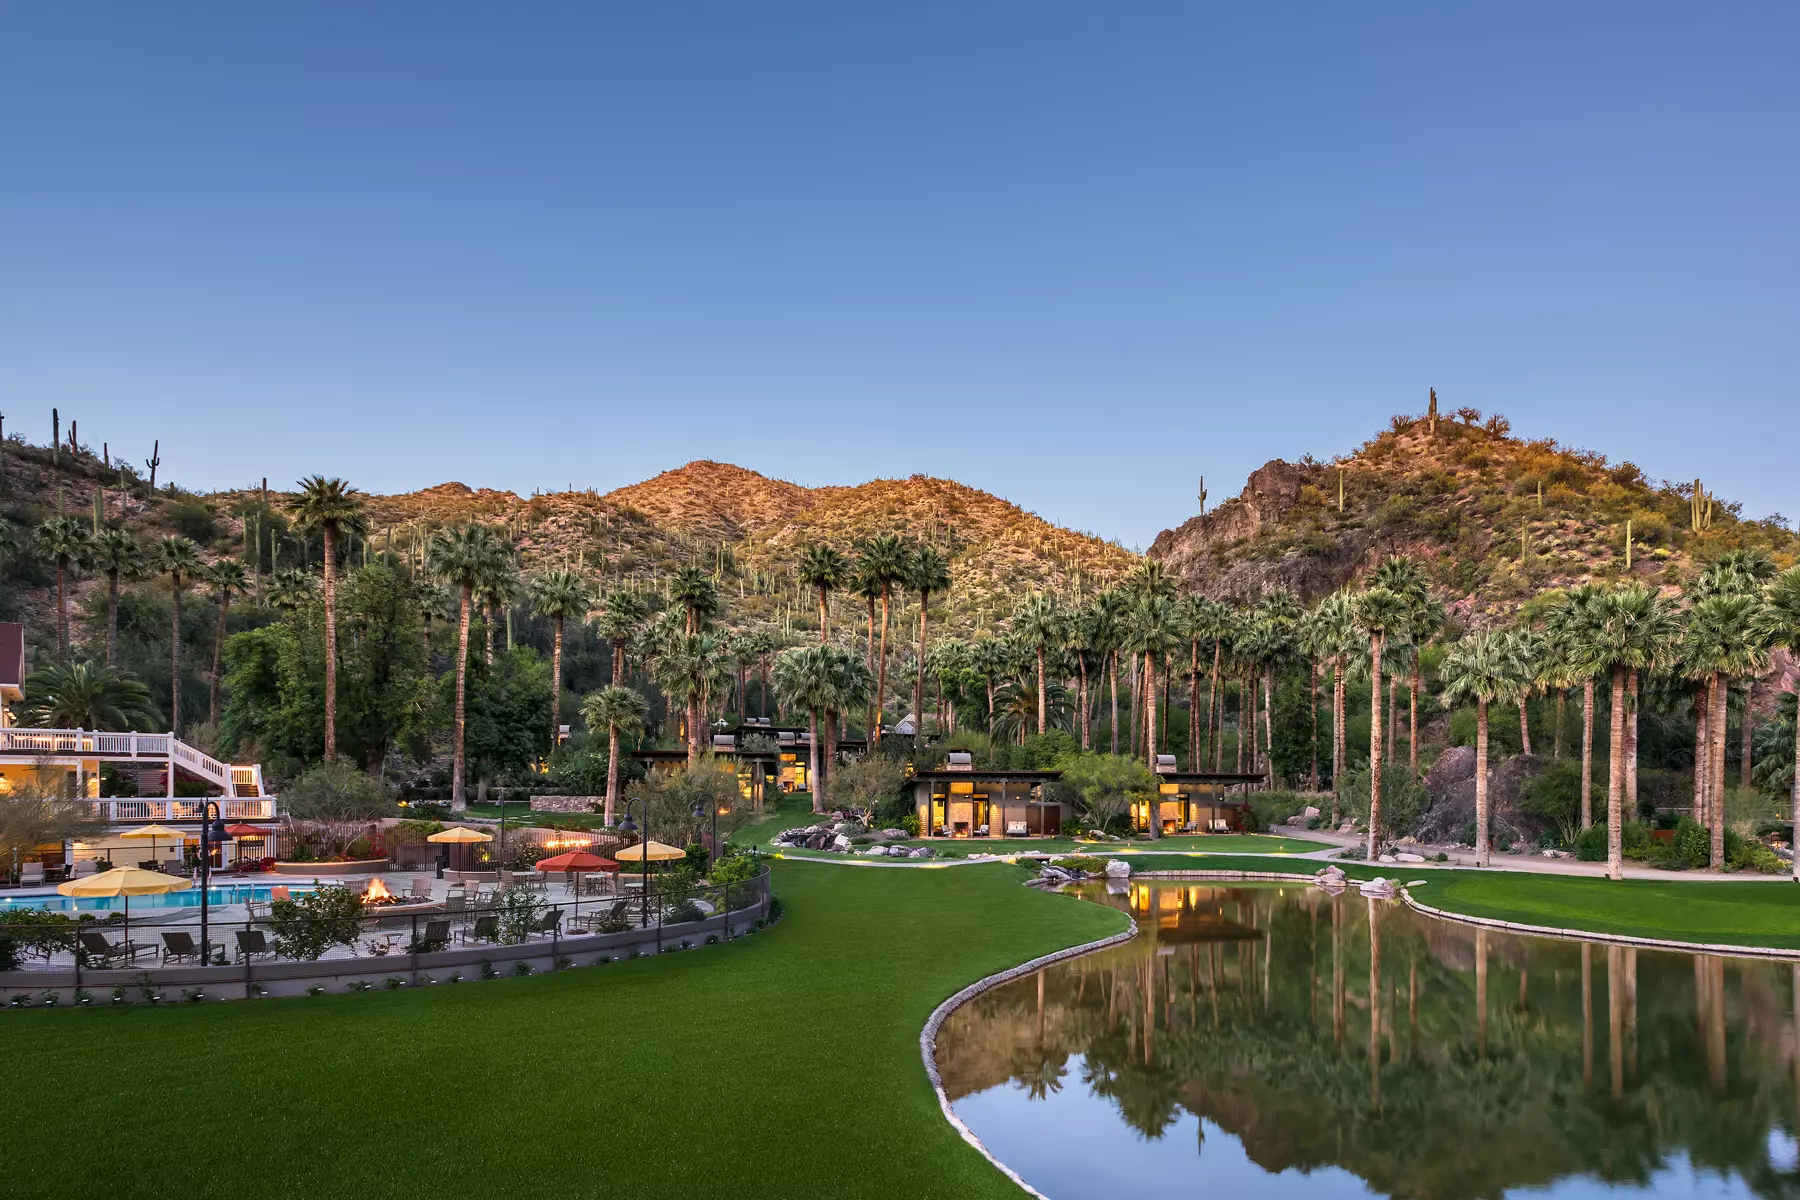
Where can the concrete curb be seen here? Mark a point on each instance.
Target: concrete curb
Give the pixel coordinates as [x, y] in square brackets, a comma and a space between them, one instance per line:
[928, 1038]
[1620, 939]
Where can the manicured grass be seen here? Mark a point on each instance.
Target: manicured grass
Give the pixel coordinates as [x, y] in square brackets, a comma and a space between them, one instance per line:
[520, 817]
[785, 1064]
[1215, 843]
[795, 808]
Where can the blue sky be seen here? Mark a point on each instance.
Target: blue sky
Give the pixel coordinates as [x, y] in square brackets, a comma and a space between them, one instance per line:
[1075, 254]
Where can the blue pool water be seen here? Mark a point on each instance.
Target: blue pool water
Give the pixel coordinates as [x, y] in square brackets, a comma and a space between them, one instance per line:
[225, 893]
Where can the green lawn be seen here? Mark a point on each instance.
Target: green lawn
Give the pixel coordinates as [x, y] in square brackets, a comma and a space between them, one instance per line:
[518, 817]
[785, 1064]
[1217, 843]
[795, 809]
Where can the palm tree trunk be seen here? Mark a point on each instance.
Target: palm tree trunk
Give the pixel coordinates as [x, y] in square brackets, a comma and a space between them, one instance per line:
[175, 655]
[881, 671]
[829, 756]
[612, 772]
[458, 801]
[1747, 732]
[1113, 660]
[1269, 720]
[1721, 698]
[1587, 752]
[1215, 712]
[1238, 727]
[824, 619]
[1312, 784]
[919, 676]
[1375, 746]
[1615, 781]
[1193, 705]
[212, 710]
[556, 677]
[328, 533]
[762, 685]
[1340, 686]
[1481, 780]
[812, 762]
[1150, 741]
[1412, 716]
[1087, 724]
[1795, 797]
[489, 614]
[1137, 702]
[1562, 695]
[1631, 743]
[618, 662]
[62, 612]
[870, 706]
[1524, 727]
[989, 680]
[1702, 753]
[1393, 713]
[696, 722]
[1042, 687]
[112, 618]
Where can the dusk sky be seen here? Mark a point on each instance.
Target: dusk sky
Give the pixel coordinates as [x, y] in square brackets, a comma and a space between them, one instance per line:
[1074, 254]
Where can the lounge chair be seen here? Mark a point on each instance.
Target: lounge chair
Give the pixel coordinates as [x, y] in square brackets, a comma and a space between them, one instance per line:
[279, 893]
[97, 947]
[1015, 829]
[251, 943]
[487, 929]
[149, 864]
[179, 946]
[547, 924]
[31, 873]
[599, 917]
[435, 938]
[456, 905]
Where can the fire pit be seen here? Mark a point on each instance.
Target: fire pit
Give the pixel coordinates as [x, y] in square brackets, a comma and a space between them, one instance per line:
[380, 896]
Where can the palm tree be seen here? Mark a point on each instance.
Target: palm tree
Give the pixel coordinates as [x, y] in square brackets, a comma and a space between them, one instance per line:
[1271, 642]
[1529, 653]
[990, 659]
[1779, 625]
[462, 557]
[1630, 629]
[1038, 623]
[845, 686]
[560, 595]
[226, 578]
[621, 617]
[1109, 610]
[64, 541]
[690, 669]
[1722, 639]
[1484, 668]
[885, 560]
[698, 596]
[291, 589]
[493, 594]
[116, 554]
[332, 507]
[1337, 637]
[179, 559]
[1084, 635]
[1425, 620]
[824, 570]
[801, 679]
[927, 573]
[85, 695]
[1149, 631]
[619, 711]
[1573, 620]
[1379, 614]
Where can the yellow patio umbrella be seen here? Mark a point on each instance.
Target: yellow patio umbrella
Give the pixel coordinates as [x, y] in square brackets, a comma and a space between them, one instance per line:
[654, 851]
[126, 882]
[458, 835]
[153, 832]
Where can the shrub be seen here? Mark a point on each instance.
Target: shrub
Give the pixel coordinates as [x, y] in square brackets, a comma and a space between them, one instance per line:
[733, 868]
[1693, 845]
[1590, 844]
[1747, 854]
[1403, 800]
[682, 911]
[313, 922]
[1085, 863]
[1555, 798]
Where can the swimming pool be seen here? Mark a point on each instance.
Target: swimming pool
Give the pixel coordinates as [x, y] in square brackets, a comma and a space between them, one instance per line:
[225, 893]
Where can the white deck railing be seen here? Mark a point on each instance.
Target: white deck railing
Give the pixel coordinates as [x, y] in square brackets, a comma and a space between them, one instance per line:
[122, 811]
[139, 747]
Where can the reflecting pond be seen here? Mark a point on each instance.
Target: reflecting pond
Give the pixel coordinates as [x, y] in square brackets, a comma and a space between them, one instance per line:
[1278, 1041]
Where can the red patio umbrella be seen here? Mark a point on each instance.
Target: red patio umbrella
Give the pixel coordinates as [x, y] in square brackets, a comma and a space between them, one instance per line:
[577, 861]
[247, 833]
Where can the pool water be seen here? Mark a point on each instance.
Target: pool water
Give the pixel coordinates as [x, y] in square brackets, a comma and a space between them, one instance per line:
[1275, 1041]
[224, 893]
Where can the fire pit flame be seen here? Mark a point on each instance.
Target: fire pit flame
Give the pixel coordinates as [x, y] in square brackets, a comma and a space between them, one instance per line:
[378, 893]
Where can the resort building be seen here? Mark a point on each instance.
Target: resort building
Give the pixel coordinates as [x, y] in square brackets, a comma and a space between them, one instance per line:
[960, 802]
[129, 781]
[1195, 801]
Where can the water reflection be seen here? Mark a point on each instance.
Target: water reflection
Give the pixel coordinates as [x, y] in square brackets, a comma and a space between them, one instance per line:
[1280, 1041]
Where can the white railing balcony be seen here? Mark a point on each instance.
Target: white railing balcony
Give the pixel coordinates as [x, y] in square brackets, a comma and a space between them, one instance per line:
[126, 811]
[165, 747]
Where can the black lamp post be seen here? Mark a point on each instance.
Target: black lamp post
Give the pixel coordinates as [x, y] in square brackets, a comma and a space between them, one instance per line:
[713, 848]
[630, 826]
[212, 833]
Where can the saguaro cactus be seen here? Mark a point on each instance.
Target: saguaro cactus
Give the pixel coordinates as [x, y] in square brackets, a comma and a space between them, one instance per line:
[1203, 495]
[1431, 413]
[1340, 489]
[1700, 508]
[1628, 543]
[154, 461]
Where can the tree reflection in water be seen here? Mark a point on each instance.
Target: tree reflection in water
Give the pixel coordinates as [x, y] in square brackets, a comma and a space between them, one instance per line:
[1215, 1012]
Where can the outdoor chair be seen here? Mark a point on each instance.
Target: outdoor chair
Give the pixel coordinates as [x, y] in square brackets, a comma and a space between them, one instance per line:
[278, 893]
[172, 866]
[487, 929]
[456, 905]
[435, 938]
[179, 946]
[612, 912]
[30, 873]
[547, 924]
[506, 877]
[97, 947]
[149, 864]
[251, 943]
[85, 867]
[1015, 829]
[421, 889]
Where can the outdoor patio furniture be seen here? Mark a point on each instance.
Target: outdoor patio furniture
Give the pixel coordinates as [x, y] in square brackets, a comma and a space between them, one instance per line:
[278, 893]
[487, 929]
[435, 938]
[981, 831]
[59, 874]
[171, 866]
[85, 867]
[30, 873]
[149, 864]
[547, 924]
[611, 912]
[456, 905]
[421, 889]
[96, 946]
[251, 943]
[1015, 829]
[179, 946]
